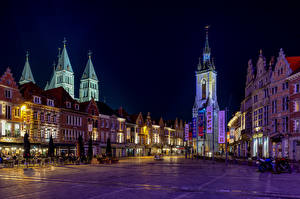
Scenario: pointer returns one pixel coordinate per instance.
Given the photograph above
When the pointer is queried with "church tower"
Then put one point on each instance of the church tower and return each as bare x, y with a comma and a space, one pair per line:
206, 95
89, 83
26, 74
63, 75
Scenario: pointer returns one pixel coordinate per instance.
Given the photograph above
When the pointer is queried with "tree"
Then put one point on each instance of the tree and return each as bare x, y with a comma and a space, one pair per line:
26, 154
81, 148
51, 147
108, 148
90, 150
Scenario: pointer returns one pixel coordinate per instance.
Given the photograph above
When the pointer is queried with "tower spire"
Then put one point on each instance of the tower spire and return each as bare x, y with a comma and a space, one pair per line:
26, 74
206, 51
64, 42
89, 77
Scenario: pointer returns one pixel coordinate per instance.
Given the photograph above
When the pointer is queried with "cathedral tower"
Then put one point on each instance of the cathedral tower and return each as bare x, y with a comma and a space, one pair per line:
26, 74
89, 83
63, 75
206, 95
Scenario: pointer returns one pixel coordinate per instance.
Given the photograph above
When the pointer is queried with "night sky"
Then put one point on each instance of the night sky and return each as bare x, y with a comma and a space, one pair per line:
145, 55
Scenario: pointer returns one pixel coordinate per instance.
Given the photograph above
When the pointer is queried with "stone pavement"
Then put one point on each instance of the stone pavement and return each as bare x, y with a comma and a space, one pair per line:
146, 178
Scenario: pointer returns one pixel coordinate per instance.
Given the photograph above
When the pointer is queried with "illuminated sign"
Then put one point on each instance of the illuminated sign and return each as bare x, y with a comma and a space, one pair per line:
194, 127
209, 120
186, 132
201, 121
221, 137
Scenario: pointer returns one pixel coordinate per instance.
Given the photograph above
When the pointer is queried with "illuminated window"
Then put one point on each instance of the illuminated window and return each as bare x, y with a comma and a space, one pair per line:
203, 89
50, 102
37, 100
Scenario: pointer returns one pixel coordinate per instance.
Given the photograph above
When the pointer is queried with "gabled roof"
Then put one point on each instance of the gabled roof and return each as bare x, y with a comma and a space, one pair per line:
89, 71
26, 74
61, 96
104, 109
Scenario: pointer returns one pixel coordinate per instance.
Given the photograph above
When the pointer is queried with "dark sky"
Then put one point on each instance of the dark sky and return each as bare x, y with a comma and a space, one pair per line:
145, 55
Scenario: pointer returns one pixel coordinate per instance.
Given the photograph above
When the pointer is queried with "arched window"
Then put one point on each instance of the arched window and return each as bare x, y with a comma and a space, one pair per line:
203, 89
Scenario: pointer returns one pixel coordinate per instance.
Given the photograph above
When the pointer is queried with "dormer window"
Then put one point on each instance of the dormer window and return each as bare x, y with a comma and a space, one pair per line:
8, 94
37, 100
50, 102
77, 106
68, 104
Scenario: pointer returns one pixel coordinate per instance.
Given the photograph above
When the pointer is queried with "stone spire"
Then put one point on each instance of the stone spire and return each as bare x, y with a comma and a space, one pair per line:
206, 51
89, 82
89, 71
206, 63
26, 74
63, 59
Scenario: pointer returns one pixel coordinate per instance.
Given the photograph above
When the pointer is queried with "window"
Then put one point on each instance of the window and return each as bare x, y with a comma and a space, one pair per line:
37, 100
203, 89
255, 98
274, 106
266, 92
8, 94
107, 124
102, 123
8, 112
35, 115
42, 117
77, 106
285, 104
275, 125
297, 88
297, 126
17, 112
49, 117
54, 118
68, 104
0, 109
50, 102
285, 122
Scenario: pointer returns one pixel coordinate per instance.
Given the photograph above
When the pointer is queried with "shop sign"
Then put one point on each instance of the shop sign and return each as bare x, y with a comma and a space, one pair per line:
201, 121
209, 118
186, 132
194, 127
221, 137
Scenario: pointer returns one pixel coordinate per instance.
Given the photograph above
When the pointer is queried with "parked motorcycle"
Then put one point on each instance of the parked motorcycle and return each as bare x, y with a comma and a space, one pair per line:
267, 164
283, 166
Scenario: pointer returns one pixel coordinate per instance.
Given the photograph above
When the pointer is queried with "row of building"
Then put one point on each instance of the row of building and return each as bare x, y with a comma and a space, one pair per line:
268, 123
54, 111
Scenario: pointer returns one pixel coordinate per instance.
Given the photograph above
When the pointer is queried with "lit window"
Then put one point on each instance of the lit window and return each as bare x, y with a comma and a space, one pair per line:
50, 102
37, 100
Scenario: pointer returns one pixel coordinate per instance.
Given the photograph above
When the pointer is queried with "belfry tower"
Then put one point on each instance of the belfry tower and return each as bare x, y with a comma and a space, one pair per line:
89, 83
63, 74
206, 96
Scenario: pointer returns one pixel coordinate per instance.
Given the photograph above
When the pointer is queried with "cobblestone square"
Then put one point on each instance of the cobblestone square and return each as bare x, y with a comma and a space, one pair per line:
173, 177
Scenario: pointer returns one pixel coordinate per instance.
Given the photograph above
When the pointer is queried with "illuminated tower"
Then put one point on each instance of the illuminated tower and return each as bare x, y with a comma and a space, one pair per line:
206, 95
26, 74
89, 83
63, 75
